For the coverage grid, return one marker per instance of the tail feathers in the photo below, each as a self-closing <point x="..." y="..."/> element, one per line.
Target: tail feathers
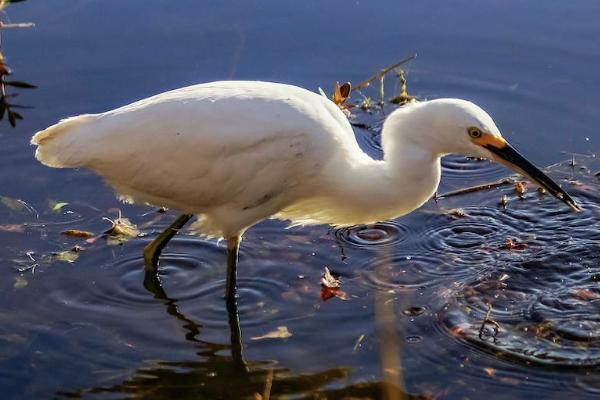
<point x="60" y="146"/>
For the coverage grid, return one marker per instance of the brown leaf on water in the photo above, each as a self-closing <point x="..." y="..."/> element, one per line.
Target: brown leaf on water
<point x="78" y="233"/>
<point x="69" y="256"/>
<point x="331" y="286"/>
<point x="510" y="244"/>
<point x="490" y="372"/>
<point x="14" y="228"/>
<point x="329" y="281"/>
<point x="585" y="294"/>
<point x="122" y="229"/>
<point x="341" y="93"/>
<point x="281" y="332"/>
<point x="328" y="293"/>
<point x="520" y="188"/>
<point x="456" y="213"/>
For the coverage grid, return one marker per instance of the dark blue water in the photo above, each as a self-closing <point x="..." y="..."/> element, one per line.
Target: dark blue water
<point x="89" y="328"/>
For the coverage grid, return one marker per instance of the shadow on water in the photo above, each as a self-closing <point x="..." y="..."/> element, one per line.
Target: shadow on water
<point x="220" y="376"/>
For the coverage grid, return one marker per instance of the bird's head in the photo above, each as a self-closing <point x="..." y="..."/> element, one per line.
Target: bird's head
<point x="453" y="126"/>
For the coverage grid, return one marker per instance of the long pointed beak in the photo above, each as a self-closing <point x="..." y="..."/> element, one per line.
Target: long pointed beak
<point x="507" y="155"/>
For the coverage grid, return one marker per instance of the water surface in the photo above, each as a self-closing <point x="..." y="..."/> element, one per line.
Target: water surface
<point x="91" y="329"/>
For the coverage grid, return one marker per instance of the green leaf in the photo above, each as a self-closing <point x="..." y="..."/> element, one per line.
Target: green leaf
<point x="57" y="206"/>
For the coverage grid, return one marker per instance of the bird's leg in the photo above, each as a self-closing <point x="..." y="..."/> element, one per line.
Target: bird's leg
<point x="237" y="348"/>
<point x="153" y="249"/>
<point x="233" y="246"/>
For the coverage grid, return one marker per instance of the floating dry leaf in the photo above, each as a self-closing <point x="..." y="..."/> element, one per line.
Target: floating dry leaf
<point x="281" y="332"/>
<point x="330" y="286"/>
<point x="510" y="244"/>
<point x="519" y="188"/>
<point x="329" y="281"/>
<point x="20" y="282"/>
<point x="78" y="233"/>
<point x="341" y="94"/>
<point x="456" y="213"/>
<point x="68" y="256"/>
<point x="122" y="229"/>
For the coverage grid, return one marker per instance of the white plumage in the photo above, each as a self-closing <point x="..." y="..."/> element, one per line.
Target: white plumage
<point x="237" y="152"/>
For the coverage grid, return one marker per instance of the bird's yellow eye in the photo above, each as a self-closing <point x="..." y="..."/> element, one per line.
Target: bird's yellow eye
<point x="475" y="133"/>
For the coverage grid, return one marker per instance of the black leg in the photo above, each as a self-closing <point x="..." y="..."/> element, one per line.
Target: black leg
<point x="152" y="251"/>
<point x="233" y="246"/>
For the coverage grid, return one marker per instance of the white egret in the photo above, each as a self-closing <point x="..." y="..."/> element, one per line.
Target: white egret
<point x="235" y="152"/>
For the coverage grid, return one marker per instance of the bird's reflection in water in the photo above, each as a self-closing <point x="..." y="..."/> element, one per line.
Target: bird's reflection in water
<point x="216" y="375"/>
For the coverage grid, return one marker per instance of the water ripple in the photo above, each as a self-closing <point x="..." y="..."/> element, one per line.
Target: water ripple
<point x="375" y="235"/>
<point x="456" y="167"/>
<point x="409" y="270"/>
<point x="547" y="309"/>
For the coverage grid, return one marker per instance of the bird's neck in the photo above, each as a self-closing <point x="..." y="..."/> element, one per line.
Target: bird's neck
<point x="376" y="190"/>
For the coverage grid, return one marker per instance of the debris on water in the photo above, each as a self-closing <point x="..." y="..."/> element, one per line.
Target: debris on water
<point x="358" y="343"/>
<point x="330" y="286"/>
<point x="329" y="281"/>
<point x="68" y="256"/>
<point x="403" y="97"/>
<point x="122" y="229"/>
<point x="77" y="233"/>
<point x="490" y="372"/>
<point x="510" y="244"/>
<point x="520" y="188"/>
<point x="57" y="206"/>
<point x="456" y="213"/>
<point x="504" y="200"/>
<point x="341" y="94"/>
<point x="413" y="311"/>
<point x="20" y="282"/>
<point x="541" y="190"/>
<point x="489" y="321"/>
<point x="281" y="332"/>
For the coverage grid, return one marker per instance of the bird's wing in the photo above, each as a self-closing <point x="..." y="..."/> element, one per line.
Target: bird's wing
<point x="206" y="145"/>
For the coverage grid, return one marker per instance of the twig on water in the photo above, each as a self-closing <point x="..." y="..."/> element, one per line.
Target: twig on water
<point x="477" y="188"/>
<point x="489" y="321"/>
<point x="382" y="72"/>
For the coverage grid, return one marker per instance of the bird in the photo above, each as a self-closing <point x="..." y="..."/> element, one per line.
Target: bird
<point x="234" y="153"/>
